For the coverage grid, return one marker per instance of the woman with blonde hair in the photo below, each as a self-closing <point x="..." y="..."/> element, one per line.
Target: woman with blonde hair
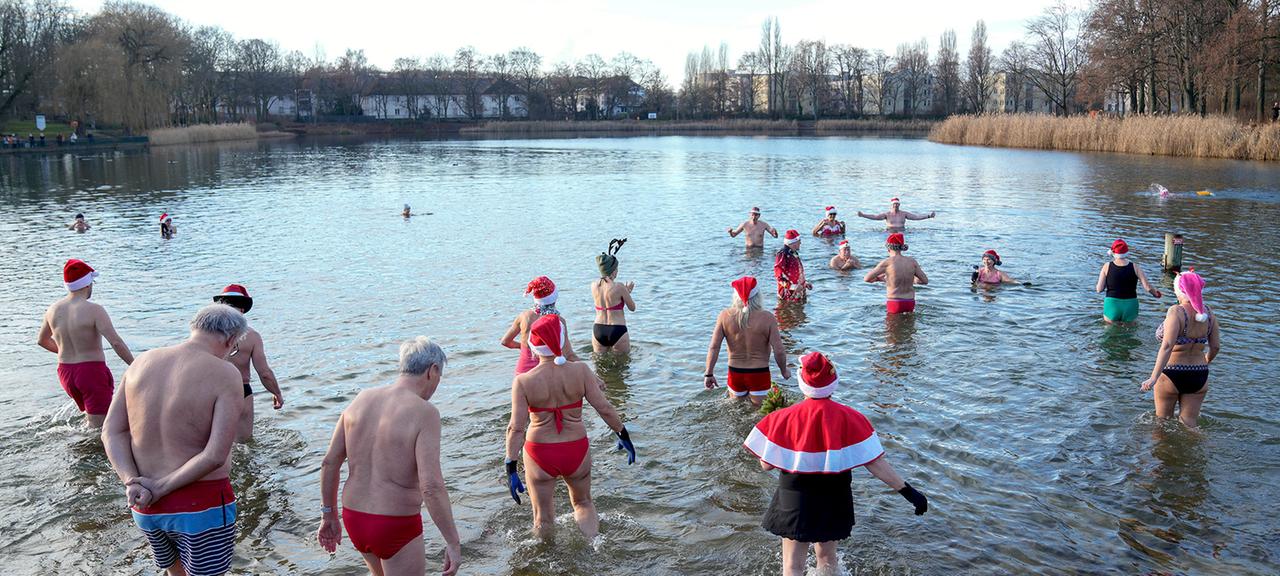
<point x="751" y="334"/>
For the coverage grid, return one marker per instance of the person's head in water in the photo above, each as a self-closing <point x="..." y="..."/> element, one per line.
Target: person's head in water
<point x="990" y="258"/>
<point x="896" y="243"/>
<point x="792" y="240"/>
<point x="406" y="210"/>
<point x="222" y="325"/>
<point x="894" y="203"/>
<point x="1119" y="249"/>
<point x="607" y="261"/>
<point x="77" y="276"/>
<point x="235" y="296"/>
<point x="746" y="298"/>
<point x="844" y="250"/>
<point x="79" y="217"/>
<point x="755" y="214"/>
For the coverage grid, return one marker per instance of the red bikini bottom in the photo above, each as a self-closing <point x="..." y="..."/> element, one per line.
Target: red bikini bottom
<point x="558" y="458"/>
<point x="379" y="534"/>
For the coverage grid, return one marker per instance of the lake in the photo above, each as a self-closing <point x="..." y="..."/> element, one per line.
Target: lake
<point x="1016" y="410"/>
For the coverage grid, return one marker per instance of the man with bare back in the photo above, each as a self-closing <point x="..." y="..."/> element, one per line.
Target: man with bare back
<point x="752" y="334"/>
<point x="900" y="274"/>
<point x="896" y="219"/>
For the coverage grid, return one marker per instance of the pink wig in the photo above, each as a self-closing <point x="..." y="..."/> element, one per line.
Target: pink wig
<point x="1191" y="285"/>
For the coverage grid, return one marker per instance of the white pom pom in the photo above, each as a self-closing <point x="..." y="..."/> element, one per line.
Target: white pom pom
<point x="744" y="309"/>
<point x="560" y="360"/>
<point x="1201" y="317"/>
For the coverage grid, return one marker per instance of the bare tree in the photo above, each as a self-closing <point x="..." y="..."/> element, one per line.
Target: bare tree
<point x="592" y="71"/>
<point x="31" y="34"/>
<point x="466" y="71"/>
<point x="978" y="83"/>
<point x="1015" y="63"/>
<point x="749" y="68"/>
<point x="774" y="60"/>
<point x="258" y="68"/>
<point x="1057" y="51"/>
<point x="526" y="68"/>
<point x="883" y="89"/>
<point x="851" y="68"/>
<point x="947" y="74"/>
<point x="914" y="71"/>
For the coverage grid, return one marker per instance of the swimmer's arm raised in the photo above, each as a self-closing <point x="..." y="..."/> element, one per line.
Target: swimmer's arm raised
<point x="330" y="532"/>
<point x="509" y="339"/>
<point x="881" y="216"/>
<point x="45" y="339"/>
<point x="626" y="296"/>
<point x="434" y="493"/>
<point x="222" y="434"/>
<point x="818" y="228"/>
<point x="519" y="422"/>
<point x="734" y="232"/>
<point x="911" y="216"/>
<point x="108" y="331"/>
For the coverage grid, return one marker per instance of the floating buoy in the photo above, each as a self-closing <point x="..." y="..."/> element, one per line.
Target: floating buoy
<point x="1204" y="193"/>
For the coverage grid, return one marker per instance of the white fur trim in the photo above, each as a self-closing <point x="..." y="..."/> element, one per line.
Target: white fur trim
<point x="233" y="294"/>
<point x="1201" y="317"/>
<point x="795" y="240"/>
<point x="560" y="360"/>
<point x="822" y="392"/>
<point x="81" y="282"/>
<point x="760" y="392"/>
<point x="543" y="350"/>
<point x="831" y="461"/>
<point x="549" y="298"/>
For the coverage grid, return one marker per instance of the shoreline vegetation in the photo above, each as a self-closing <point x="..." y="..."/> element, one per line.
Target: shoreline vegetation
<point x="695" y="126"/>
<point x="202" y="133"/>
<point x="1186" y="136"/>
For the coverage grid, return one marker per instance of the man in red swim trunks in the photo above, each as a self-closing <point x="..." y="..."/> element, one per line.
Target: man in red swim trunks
<point x="390" y="439"/>
<point x="900" y="274"/>
<point x="73" y="328"/>
<point x="752" y="333"/>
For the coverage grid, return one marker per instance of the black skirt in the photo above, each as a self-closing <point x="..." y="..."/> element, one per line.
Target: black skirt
<point x="811" y="507"/>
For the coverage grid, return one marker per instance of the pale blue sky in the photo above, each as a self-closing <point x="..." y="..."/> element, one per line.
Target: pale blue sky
<point x="663" y="31"/>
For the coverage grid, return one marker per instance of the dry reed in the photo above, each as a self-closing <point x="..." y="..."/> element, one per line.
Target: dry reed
<point x="200" y="133"/>
<point x="1194" y="136"/>
<point x="874" y="125"/>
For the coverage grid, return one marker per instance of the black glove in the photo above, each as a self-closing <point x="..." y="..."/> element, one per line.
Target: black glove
<point x="624" y="443"/>
<point x="915" y="497"/>
<point x="513" y="481"/>
<point x="974" y="278"/>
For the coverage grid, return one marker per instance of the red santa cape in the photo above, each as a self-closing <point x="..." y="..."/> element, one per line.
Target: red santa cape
<point x="816" y="436"/>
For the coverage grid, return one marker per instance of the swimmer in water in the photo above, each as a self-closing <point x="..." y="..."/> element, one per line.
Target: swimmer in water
<point x="249" y="350"/>
<point x="167" y="227"/>
<point x="754" y="228"/>
<point x="900" y="274"/>
<point x="815" y="445"/>
<point x="79" y="224"/>
<point x="73" y="328"/>
<point x="752" y="334"/>
<point x="1181" y="373"/>
<point x="789" y="270"/>
<point x="546" y="425"/>
<point x="407" y="213"/>
<point x="844" y="259"/>
<point x="829" y="226"/>
<point x="544" y="303"/>
<point x="988" y="275"/>
<point x="389" y="438"/>
<point x="610" y="329"/>
<point x="896" y="219"/>
<point x="1120" y="278"/>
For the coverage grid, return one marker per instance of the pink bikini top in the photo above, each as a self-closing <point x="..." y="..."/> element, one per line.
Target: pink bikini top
<point x="618" y="307"/>
<point x="558" y="412"/>
<point x="982" y="277"/>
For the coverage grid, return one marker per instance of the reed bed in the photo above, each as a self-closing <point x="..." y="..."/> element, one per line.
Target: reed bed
<point x="875" y="125"/>
<point x="537" y="126"/>
<point x="201" y="133"/>
<point x="1193" y="136"/>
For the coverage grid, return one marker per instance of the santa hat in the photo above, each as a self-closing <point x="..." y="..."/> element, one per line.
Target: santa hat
<point x="1119" y="247"/>
<point x="894" y="200"/>
<point x="817" y="375"/>
<point x="543" y="290"/>
<point x="843" y="244"/>
<point x="546" y="337"/>
<point x="896" y="239"/>
<point x="992" y="254"/>
<point x="77" y="275"/>
<point x="792" y="237"/>
<point x="815" y="437"/>
<point x="746" y="289"/>
<point x="164" y="216"/>
<point x="831" y="210"/>
<point x="235" y="296"/>
<point x="1190" y="285"/>
<point x="755" y="209"/>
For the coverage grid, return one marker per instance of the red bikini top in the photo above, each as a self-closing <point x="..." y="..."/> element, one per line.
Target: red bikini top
<point x="617" y="307"/>
<point x="558" y="412"/>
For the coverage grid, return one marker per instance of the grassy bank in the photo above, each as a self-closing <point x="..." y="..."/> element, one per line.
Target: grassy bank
<point x="1193" y="136"/>
<point x="200" y="133"/>
<point x="660" y="126"/>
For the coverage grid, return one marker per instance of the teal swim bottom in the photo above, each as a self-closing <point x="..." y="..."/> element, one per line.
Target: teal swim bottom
<point x="1120" y="309"/>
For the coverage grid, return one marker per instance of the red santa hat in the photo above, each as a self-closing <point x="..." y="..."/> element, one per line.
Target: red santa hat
<point x="792" y="237"/>
<point x="164" y="216"/>
<point x="546" y="337"/>
<point x="1119" y="247"/>
<point x="815" y="437"/>
<point x="235" y="296"/>
<point x="77" y="275"/>
<point x="817" y="376"/>
<point x="896" y="239"/>
<point x="543" y="290"/>
<point x="992" y="254"/>
<point x="843" y="244"/>
<point x="831" y="210"/>
<point x="746" y="289"/>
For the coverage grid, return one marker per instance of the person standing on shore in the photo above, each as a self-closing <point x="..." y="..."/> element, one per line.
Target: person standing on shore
<point x="249" y="350"/>
<point x="79" y="224"/>
<point x="754" y="228"/>
<point x="896" y="219"/>
<point x="815" y="445"/>
<point x="73" y="328"/>
<point x="1119" y="278"/>
<point x="1181" y="373"/>
<point x="829" y="226"/>
<point x="389" y="438"/>
<point x="844" y="258"/>
<point x="789" y="270"/>
<point x="900" y="274"/>
<point x="751" y="334"/>
<point x="544" y="303"/>
<point x="168" y="436"/>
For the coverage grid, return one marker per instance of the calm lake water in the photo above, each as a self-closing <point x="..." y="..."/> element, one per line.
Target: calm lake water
<point x="1015" y="410"/>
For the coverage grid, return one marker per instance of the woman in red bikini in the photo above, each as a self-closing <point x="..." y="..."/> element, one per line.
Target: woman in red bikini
<point x="610" y="329"/>
<point x="546" y="424"/>
<point x="544" y="303"/>
<point x="987" y="274"/>
<point x="829" y="227"/>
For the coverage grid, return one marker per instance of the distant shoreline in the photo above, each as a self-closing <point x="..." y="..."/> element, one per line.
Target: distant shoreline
<point x="740" y="126"/>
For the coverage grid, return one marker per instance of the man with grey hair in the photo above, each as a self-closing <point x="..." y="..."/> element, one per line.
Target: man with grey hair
<point x="390" y="439"/>
<point x="168" y="434"/>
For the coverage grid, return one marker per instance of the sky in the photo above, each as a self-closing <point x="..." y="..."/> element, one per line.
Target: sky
<point x="663" y="31"/>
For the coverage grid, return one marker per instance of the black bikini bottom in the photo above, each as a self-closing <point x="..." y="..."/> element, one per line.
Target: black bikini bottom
<point x="1187" y="379"/>
<point x="608" y="334"/>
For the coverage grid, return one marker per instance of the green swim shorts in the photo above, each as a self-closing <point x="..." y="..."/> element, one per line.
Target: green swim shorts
<point x="1120" y="309"/>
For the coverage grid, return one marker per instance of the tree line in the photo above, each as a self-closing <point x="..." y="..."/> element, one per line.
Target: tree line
<point x="139" y="67"/>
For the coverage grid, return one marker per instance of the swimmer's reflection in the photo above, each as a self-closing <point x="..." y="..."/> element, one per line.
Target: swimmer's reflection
<point x="790" y="315"/>
<point x="1119" y="341"/>
<point x="1179" y="482"/>
<point x="615" y="371"/>
<point x="899" y="329"/>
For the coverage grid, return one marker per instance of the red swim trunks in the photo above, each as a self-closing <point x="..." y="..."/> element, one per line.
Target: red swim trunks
<point x="379" y="534"/>
<point x="558" y="458"/>
<point x="90" y="384"/>
<point x="900" y="306"/>
<point x="753" y="381"/>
